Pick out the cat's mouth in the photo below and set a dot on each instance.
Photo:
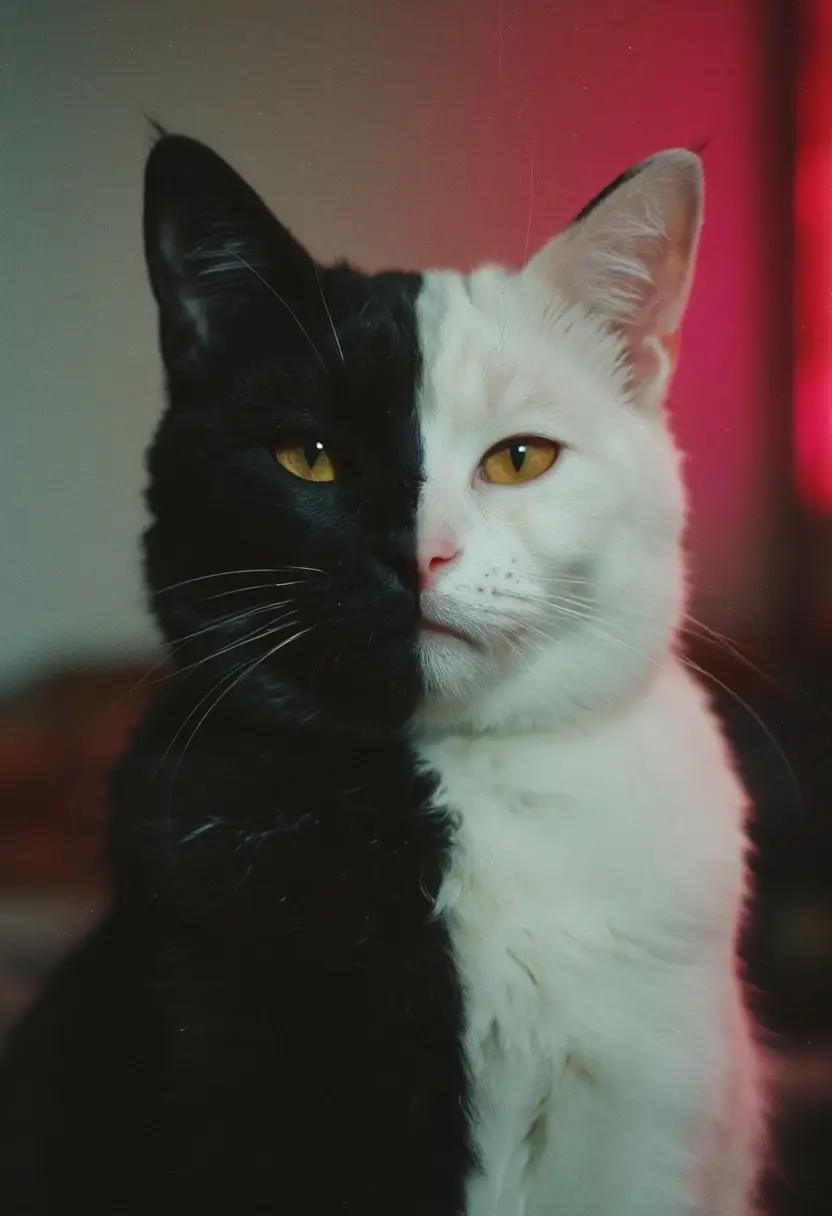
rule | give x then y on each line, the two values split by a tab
431	627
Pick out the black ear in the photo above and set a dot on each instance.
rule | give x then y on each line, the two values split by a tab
220	264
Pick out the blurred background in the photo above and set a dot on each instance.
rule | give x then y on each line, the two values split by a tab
415	133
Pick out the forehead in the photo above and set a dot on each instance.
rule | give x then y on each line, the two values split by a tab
499	354
468	342
367	393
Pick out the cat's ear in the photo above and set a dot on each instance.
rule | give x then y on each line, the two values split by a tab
628	258
214	252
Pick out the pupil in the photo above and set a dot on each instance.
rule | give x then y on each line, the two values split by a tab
517	454
312	452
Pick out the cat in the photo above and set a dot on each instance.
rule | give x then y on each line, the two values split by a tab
428	860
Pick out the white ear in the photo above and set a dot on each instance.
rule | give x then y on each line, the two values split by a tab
629	259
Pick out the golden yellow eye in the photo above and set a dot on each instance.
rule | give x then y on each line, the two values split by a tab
519	460
308	461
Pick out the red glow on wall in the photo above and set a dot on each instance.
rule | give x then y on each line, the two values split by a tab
813	258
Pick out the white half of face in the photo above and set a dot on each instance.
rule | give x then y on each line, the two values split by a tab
558	593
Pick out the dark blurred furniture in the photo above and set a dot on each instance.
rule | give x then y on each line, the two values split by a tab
58	736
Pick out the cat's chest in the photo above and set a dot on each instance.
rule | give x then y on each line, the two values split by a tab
575	898
591	891
561	887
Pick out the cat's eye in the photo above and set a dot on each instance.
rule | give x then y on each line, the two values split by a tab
516	461
309	460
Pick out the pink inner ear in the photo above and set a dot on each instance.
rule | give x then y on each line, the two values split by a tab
669	277
670	342
657	328
646	347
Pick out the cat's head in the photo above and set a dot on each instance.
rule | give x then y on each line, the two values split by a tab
432	496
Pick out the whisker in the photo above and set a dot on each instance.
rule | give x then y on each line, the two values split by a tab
701	630
708	675
329	316
171	649
697	628
288	307
134	688
201	578
541	633
177	644
229	619
255	587
273	627
214	687
549	601
243	675
524	658
564	579
576	611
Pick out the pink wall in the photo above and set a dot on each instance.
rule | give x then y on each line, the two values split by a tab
554	100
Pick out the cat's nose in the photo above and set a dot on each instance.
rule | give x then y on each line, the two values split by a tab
432	559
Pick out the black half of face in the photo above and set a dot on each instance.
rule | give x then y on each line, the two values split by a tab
289	595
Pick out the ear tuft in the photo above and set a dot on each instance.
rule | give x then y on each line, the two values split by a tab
158	131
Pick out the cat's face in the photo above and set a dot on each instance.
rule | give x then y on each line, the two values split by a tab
442	497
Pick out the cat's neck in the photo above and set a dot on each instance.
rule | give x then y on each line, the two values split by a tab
543	697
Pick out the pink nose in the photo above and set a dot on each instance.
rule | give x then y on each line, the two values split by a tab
431	560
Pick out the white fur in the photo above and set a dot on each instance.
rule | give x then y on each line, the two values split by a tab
597	876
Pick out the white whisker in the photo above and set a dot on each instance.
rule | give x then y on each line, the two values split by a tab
329	316
214	687
255	587
229	619
549	601
201	578
287	306
274	627
243	675
708	675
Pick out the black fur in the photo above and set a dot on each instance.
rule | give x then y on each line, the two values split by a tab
269	1019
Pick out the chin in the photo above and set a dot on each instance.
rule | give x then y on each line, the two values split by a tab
456	676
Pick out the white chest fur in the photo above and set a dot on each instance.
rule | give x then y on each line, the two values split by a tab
592	901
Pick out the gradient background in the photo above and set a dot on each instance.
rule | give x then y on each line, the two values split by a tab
399	133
